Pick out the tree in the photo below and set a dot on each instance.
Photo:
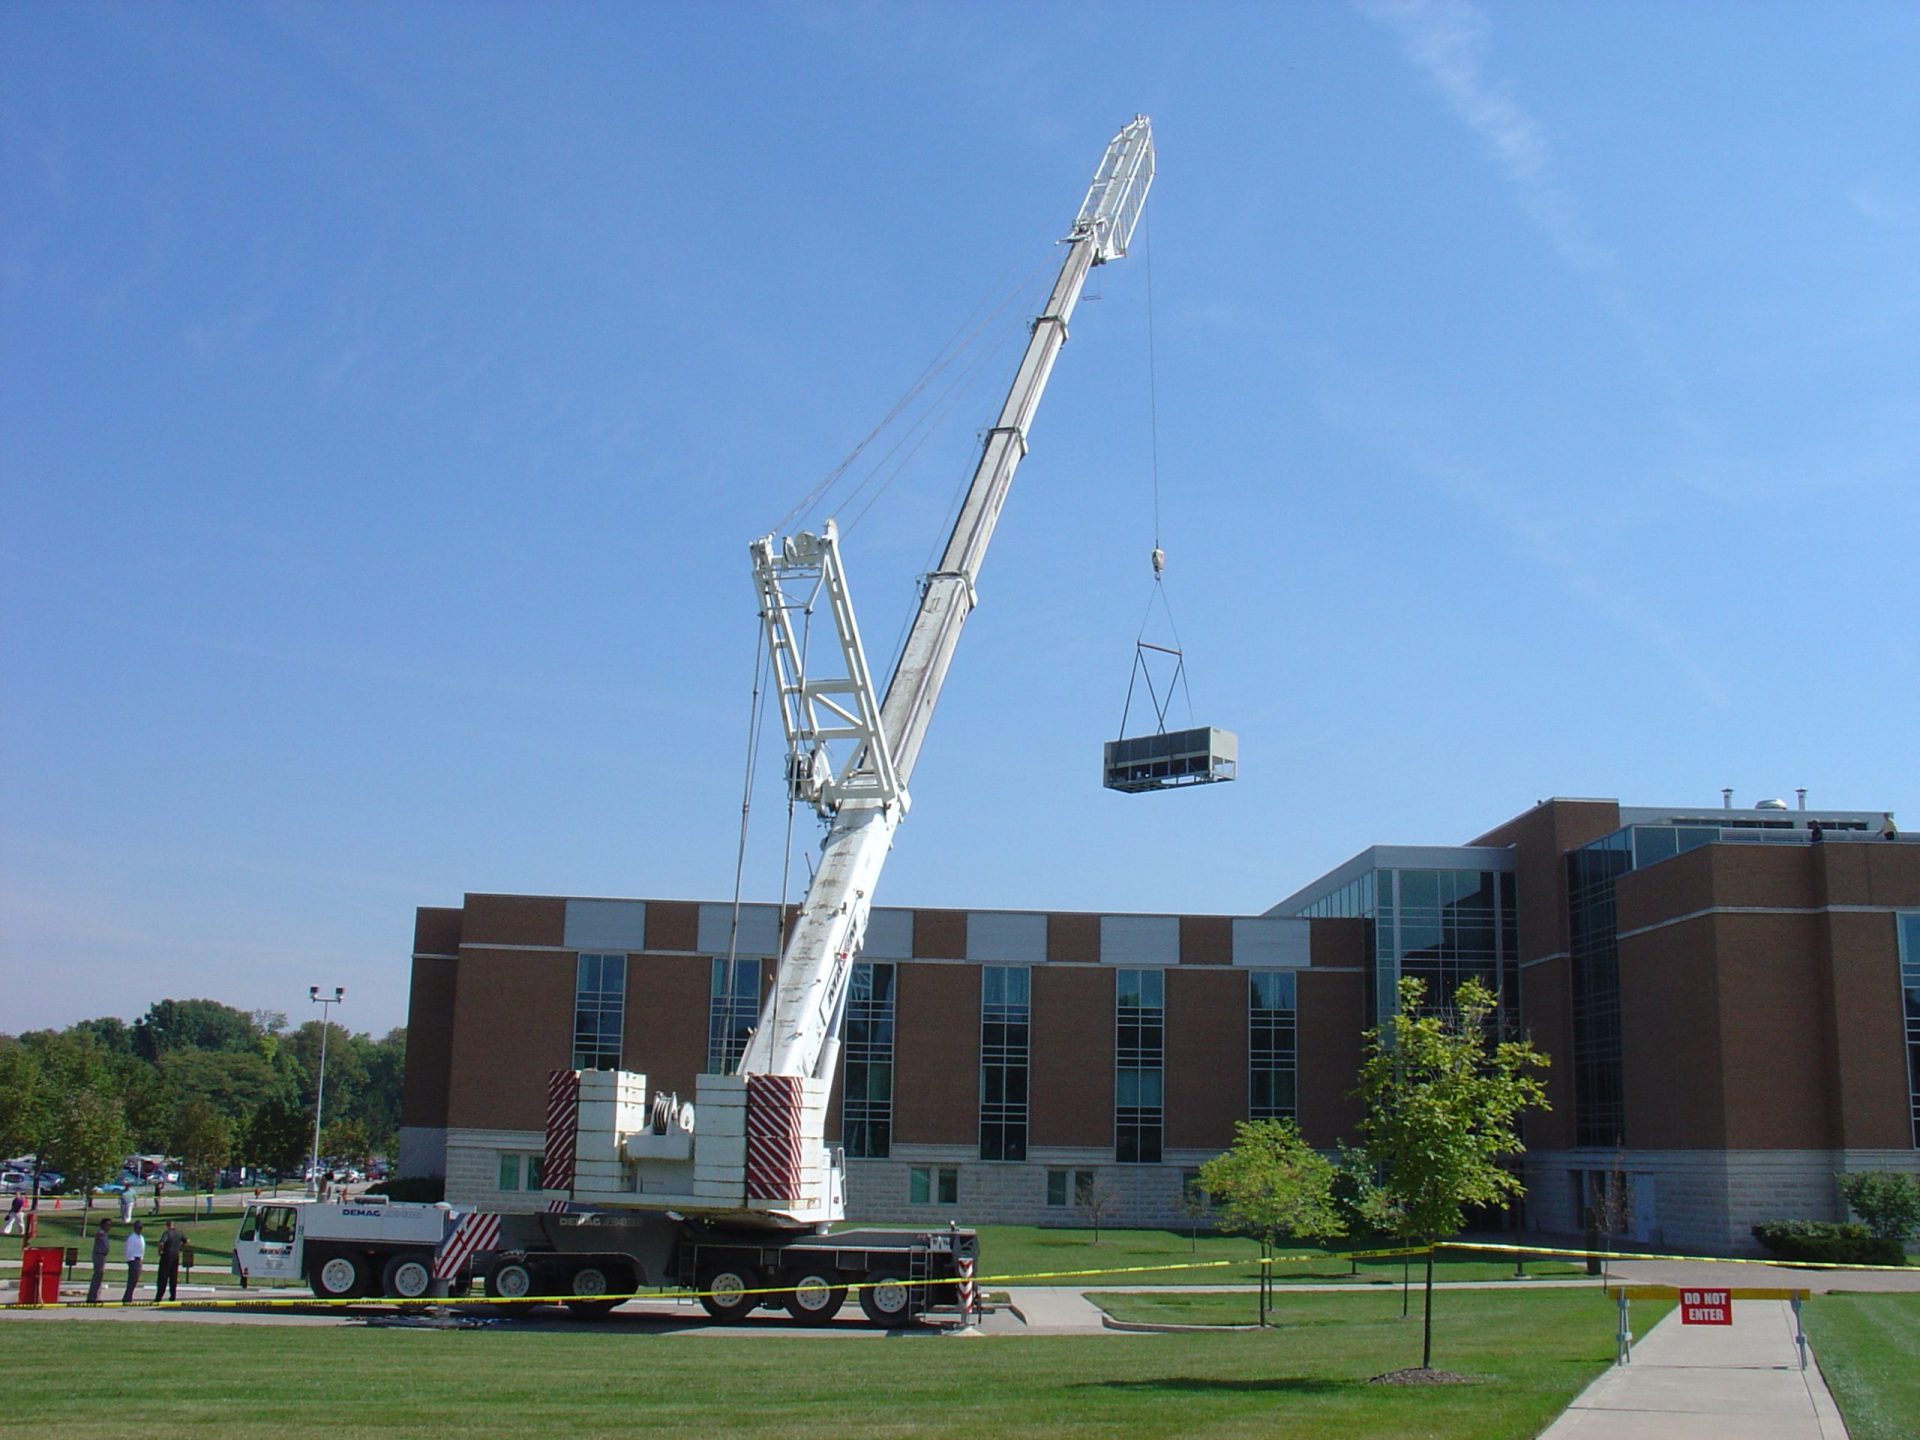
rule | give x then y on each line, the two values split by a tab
1196	1206
192	1025
1099	1200
1273	1184
24	1101
89	1140
1887	1202
344	1140
276	1136
1444	1101
203	1139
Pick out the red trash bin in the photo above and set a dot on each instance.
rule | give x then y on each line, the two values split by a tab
40	1276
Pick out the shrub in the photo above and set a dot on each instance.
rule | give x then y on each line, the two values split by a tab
1887	1202
1826	1242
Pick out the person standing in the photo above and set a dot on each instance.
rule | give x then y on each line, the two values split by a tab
126	1205
102	1247
166	1285
13	1213
136	1255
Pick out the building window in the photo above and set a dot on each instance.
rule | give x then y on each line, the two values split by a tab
599	1003
866	1088
515	1167
1599	1099
1004	1023
1068	1187
1910	995
1271	1055
731	1016
1139	1057
933	1185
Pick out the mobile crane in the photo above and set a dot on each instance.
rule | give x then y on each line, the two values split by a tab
741	1201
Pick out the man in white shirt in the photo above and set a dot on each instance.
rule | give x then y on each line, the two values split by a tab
135	1254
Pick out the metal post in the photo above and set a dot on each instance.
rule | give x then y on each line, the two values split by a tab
320	1090
1623	1338
1799	1331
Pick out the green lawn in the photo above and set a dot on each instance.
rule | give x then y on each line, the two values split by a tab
1531	1351
1010	1252
1869	1351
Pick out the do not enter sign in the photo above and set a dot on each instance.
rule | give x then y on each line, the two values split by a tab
1706	1307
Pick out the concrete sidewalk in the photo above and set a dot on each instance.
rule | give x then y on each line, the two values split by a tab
1688	1381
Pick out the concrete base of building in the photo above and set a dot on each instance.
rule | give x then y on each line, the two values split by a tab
1698	1200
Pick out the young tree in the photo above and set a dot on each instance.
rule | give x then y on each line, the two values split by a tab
1196	1208
1273	1184
89	1140
203	1139
1444	1101
1099	1200
1887	1202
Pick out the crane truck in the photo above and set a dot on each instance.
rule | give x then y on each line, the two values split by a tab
735	1193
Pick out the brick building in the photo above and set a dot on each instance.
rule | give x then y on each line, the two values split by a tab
1732	1006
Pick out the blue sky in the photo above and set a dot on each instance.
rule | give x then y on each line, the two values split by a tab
389	394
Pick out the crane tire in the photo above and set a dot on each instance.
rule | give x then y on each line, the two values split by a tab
724	1291
408	1276
816	1295
592	1283
512	1280
886	1299
340	1275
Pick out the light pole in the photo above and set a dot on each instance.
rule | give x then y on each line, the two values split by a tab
320	1090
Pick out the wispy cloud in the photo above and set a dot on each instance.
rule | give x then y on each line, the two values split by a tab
1446	40
1559	544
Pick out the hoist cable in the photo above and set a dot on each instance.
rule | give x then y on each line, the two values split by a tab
761	660
957	344
1153	386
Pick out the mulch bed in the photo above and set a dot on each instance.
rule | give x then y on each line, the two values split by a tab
1416	1375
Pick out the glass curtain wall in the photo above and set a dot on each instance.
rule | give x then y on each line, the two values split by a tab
866	1114
1270	1045
1440	926
1910	995
733	1012
1140	1059
1005	1022
599	1006
1599	1104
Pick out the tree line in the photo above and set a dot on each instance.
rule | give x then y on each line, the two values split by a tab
200	1081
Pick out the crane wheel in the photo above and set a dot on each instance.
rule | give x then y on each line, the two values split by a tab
816	1297
340	1276
407	1277
592	1283
511	1281
724	1291
886	1299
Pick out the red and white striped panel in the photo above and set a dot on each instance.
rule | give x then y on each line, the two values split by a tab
563	1130
969	1297
475	1232
773	1137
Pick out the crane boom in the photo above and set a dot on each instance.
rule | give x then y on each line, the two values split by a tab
799	1027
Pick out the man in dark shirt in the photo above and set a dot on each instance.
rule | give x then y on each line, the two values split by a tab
167	1284
102	1247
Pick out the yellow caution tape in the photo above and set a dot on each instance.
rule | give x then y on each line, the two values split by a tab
979	1281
